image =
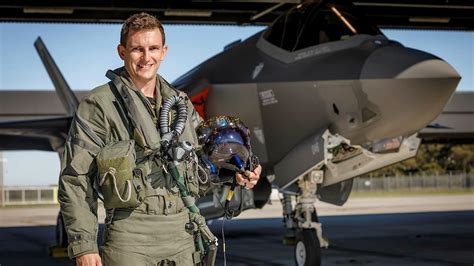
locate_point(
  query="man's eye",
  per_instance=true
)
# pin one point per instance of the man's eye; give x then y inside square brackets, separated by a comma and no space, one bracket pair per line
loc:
[135,49]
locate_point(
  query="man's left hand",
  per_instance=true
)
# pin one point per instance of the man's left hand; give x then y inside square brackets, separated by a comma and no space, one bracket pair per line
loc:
[251,179]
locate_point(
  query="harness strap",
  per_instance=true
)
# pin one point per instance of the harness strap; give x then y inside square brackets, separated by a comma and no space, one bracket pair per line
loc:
[124,114]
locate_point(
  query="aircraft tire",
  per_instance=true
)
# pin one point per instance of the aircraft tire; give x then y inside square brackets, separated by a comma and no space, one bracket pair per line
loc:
[307,248]
[61,235]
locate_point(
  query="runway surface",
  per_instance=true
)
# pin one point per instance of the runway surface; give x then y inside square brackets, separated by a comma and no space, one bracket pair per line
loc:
[431,238]
[35,216]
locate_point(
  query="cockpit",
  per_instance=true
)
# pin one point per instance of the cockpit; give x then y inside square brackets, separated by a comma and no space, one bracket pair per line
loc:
[316,22]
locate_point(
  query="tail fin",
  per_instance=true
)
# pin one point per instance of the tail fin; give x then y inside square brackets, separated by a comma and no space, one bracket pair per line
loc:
[65,94]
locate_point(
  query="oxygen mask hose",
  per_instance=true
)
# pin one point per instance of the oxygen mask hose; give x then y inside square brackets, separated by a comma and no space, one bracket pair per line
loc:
[176,152]
[238,166]
[168,134]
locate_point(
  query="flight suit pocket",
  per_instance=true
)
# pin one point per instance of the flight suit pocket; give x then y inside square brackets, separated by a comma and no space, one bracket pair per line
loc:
[121,182]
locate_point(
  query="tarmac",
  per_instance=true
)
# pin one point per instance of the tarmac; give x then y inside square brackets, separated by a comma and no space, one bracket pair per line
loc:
[418,230]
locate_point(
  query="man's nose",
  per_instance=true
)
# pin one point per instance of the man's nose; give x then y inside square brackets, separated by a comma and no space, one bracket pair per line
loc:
[146,54]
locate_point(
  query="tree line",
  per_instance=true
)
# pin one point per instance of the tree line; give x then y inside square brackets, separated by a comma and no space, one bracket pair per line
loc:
[434,159]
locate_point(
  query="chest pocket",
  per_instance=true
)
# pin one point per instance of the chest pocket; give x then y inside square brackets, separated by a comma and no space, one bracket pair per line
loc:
[189,172]
[159,178]
[120,180]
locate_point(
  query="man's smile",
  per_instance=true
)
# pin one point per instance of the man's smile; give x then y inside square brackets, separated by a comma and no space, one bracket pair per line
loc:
[145,66]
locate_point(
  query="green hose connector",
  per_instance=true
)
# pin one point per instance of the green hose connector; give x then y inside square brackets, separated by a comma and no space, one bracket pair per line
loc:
[182,188]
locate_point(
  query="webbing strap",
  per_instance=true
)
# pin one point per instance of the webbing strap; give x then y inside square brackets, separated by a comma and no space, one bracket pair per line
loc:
[89,132]
[124,114]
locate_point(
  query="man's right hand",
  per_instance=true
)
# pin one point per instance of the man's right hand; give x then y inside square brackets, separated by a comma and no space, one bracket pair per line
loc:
[92,259]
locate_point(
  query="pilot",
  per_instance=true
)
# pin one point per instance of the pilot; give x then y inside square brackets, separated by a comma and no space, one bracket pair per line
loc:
[111,153]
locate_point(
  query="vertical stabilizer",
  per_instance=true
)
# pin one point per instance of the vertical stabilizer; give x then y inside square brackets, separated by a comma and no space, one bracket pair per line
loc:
[65,94]
[2,193]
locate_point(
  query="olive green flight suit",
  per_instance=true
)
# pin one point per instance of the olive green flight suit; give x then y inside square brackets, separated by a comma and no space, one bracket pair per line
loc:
[154,232]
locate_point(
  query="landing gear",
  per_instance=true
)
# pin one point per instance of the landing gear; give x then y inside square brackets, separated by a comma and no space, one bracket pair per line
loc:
[61,236]
[288,219]
[59,250]
[307,249]
[302,223]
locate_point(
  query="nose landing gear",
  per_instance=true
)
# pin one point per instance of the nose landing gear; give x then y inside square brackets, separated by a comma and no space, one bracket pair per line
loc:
[303,221]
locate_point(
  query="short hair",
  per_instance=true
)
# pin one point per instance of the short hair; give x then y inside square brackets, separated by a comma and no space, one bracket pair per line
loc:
[140,21]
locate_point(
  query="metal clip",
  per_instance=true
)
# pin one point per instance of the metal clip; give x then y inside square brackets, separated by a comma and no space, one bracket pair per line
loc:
[137,172]
[137,185]
[164,168]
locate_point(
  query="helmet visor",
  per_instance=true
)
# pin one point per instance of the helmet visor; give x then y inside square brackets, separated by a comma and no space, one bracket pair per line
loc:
[223,152]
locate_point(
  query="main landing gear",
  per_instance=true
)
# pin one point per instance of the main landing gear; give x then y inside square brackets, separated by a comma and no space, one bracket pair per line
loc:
[302,226]
[59,250]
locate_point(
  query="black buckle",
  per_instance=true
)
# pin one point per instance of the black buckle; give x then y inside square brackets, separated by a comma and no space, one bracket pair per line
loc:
[137,174]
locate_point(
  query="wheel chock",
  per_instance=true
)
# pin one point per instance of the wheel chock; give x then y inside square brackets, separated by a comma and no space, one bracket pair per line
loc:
[58,252]
[289,241]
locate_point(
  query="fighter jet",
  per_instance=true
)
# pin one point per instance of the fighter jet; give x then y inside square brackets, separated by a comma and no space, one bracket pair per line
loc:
[327,97]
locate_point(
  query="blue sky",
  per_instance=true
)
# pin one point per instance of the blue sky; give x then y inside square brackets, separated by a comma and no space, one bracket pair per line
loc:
[85,52]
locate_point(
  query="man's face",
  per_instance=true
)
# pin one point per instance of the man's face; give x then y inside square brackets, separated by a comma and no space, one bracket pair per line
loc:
[142,55]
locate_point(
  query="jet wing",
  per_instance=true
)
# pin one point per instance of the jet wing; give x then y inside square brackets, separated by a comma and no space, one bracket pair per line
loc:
[42,134]
[12,143]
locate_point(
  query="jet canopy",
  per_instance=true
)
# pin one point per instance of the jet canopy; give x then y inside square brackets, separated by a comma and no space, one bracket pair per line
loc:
[312,23]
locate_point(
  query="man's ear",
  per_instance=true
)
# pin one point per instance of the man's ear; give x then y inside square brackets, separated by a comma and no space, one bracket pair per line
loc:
[165,51]
[121,51]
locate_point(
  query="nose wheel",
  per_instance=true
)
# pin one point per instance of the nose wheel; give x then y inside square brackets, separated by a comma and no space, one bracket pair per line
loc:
[307,249]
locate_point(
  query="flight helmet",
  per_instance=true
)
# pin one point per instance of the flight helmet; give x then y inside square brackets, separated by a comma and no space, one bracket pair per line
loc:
[225,142]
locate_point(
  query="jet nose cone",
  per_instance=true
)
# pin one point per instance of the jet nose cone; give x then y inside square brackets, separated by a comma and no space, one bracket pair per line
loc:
[399,62]
[410,89]
[430,69]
